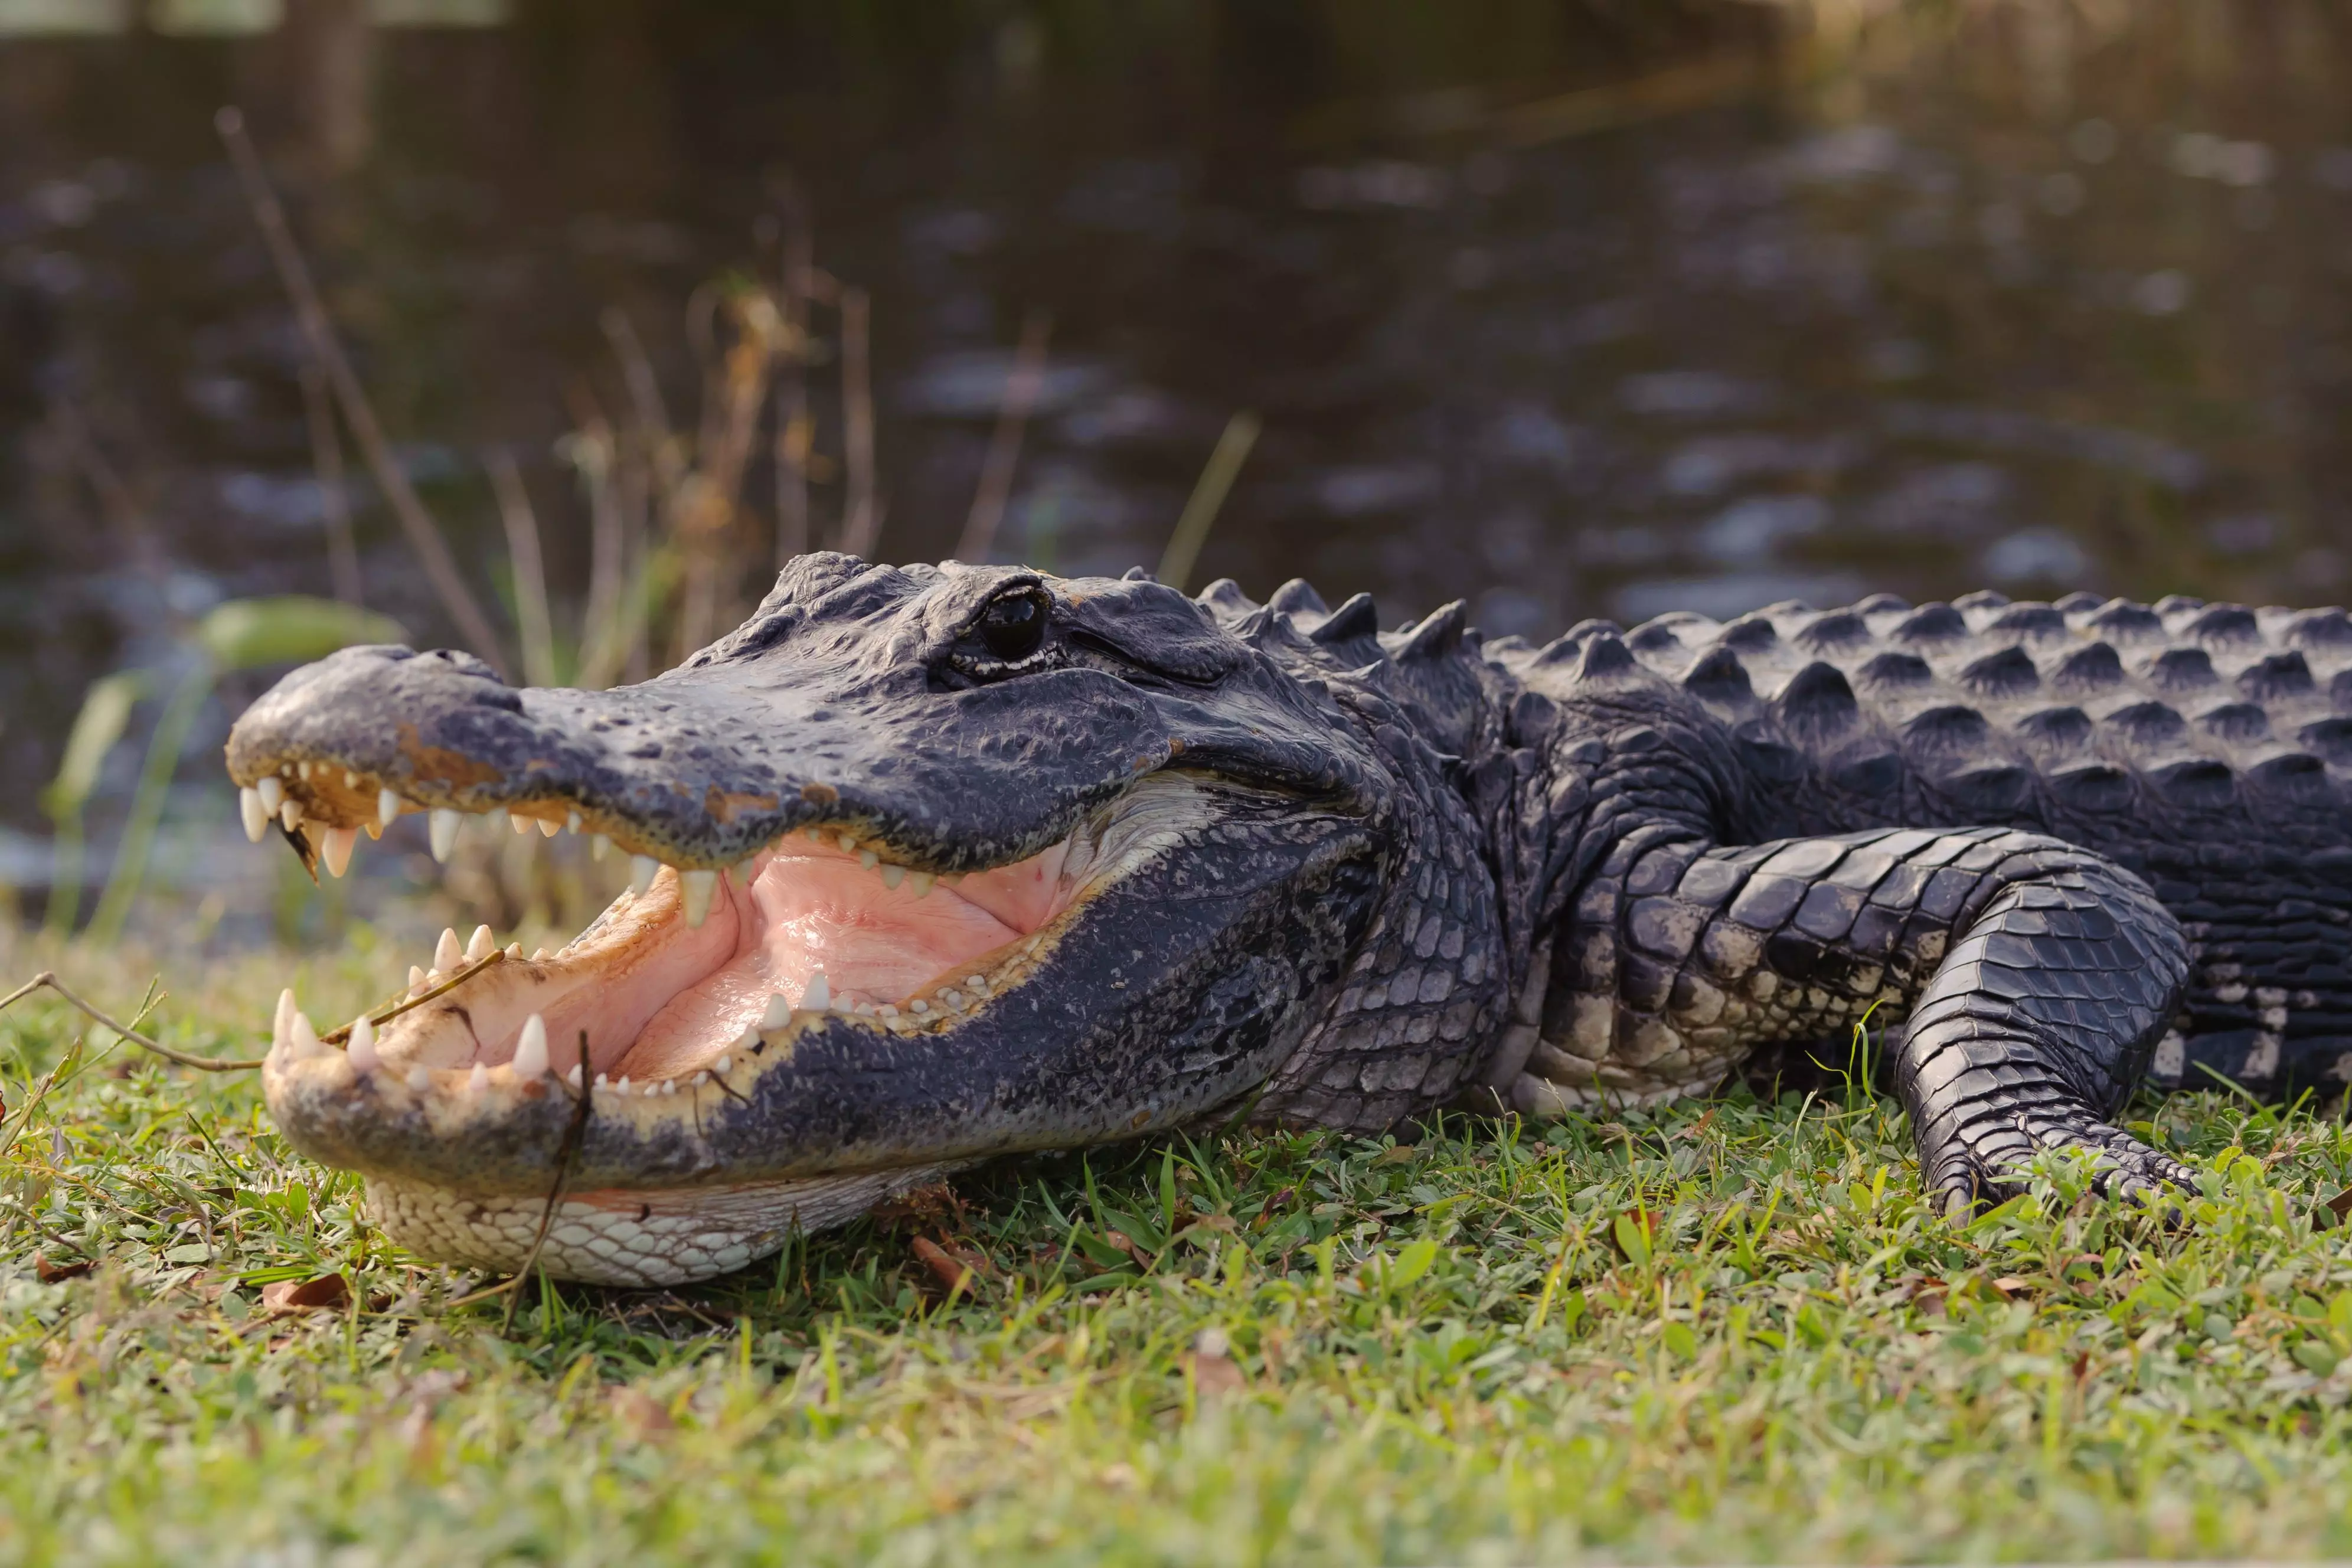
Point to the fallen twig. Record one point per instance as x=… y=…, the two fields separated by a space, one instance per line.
x=337 y=1035
x=573 y=1137
x=46 y=980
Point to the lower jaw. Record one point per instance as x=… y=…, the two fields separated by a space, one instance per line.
x=655 y=1236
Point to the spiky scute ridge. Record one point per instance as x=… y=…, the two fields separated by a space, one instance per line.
x=1430 y=983
x=2205 y=748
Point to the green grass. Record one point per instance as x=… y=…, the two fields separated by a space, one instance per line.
x=1724 y=1331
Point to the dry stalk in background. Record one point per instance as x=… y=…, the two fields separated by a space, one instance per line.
x=1021 y=389
x=334 y=500
x=327 y=351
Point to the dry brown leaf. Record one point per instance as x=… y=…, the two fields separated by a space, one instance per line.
x=639 y=1413
x=64 y=1269
x=950 y=1265
x=1213 y=1375
x=931 y=1203
x=320 y=1293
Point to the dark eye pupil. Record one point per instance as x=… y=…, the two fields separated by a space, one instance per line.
x=1014 y=628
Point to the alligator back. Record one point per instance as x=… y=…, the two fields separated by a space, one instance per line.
x=2206 y=747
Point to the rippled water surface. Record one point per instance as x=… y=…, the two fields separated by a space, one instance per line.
x=1558 y=314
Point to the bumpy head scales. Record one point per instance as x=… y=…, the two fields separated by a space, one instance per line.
x=932 y=863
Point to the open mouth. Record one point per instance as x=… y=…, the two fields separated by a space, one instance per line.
x=679 y=974
x=668 y=1012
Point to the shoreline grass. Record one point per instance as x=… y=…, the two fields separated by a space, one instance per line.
x=1723 y=1331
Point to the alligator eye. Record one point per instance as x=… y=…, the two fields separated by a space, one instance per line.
x=1014 y=628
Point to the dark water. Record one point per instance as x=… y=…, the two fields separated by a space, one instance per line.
x=1567 y=313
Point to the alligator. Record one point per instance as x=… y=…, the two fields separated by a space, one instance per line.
x=933 y=864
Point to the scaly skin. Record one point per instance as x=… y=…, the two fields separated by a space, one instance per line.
x=2049 y=844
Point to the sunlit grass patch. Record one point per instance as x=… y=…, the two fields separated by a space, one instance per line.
x=1728 y=1329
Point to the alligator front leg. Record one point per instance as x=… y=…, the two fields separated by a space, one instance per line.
x=2025 y=982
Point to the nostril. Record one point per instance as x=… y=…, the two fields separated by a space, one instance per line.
x=459 y=662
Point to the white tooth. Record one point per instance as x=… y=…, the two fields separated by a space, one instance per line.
x=272 y=794
x=521 y=825
x=251 y=812
x=281 y=1022
x=291 y=813
x=848 y=841
x=447 y=956
x=335 y=851
x=817 y=835
x=778 y=1012
x=697 y=887
x=443 y=830
x=867 y=858
x=975 y=982
x=303 y=770
x=351 y=779
x=302 y=1041
x=480 y=945
x=572 y=823
x=923 y=884
x=419 y=1080
x=573 y=1077
x=603 y=1082
x=1031 y=946
x=844 y=1004
x=622 y=1086
x=387 y=807
x=541 y=956
x=499 y=817
x=670 y=1086
x=360 y=1049
x=892 y=876
x=748 y=1039
x=819 y=994
x=530 y=1048
x=599 y=846
x=864 y=1009
x=478 y=1079
x=700 y=1078
x=418 y=981
x=514 y=949
x=643 y=869
x=722 y=1064
x=746 y=868
x=887 y=1010
x=549 y=827
x=918 y=1006
x=951 y=1001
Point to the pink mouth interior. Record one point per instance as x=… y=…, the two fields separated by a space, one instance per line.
x=668 y=1000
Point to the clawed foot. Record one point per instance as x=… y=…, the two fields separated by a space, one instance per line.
x=1990 y=1162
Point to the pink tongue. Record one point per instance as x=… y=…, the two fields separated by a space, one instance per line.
x=813 y=909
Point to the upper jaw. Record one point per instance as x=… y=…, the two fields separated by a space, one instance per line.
x=699 y=769
x=833 y=705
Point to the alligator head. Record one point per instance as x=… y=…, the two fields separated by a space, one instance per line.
x=934 y=864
